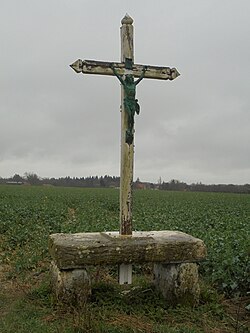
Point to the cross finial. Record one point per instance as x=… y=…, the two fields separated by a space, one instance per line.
x=127 y=20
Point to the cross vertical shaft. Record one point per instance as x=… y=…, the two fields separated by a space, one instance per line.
x=127 y=150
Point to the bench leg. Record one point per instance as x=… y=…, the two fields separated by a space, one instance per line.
x=70 y=286
x=178 y=283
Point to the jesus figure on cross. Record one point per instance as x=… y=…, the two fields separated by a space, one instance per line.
x=131 y=105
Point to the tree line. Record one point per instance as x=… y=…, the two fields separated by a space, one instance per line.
x=113 y=181
x=175 y=185
x=91 y=181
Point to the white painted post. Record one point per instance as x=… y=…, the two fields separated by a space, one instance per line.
x=127 y=152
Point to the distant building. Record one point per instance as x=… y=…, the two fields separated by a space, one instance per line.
x=143 y=185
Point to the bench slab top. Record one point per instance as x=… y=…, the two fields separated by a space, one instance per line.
x=108 y=248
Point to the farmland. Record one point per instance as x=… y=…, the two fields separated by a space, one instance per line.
x=29 y=214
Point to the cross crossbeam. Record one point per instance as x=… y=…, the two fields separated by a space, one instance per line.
x=104 y=68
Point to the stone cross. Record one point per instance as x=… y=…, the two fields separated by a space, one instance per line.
x=124 y=70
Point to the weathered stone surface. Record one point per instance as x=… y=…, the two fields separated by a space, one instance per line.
x=70 y=286
x=71 y=251
x=178 y=283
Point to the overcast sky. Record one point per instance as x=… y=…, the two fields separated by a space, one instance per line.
x=55 y=122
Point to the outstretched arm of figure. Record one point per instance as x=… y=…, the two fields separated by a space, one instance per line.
x=116 y=74
x=142 y=75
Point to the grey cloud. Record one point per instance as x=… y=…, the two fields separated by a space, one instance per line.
x=55 y=122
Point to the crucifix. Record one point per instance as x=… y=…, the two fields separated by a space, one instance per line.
x=126 y=71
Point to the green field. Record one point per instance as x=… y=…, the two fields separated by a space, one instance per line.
x=29 y=214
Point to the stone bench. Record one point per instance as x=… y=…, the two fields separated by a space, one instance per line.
x=173 y=253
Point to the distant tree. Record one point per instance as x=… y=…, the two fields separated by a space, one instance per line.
x=102 y=182
x=174 y=185
x=17 y=178
x=32 y=178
